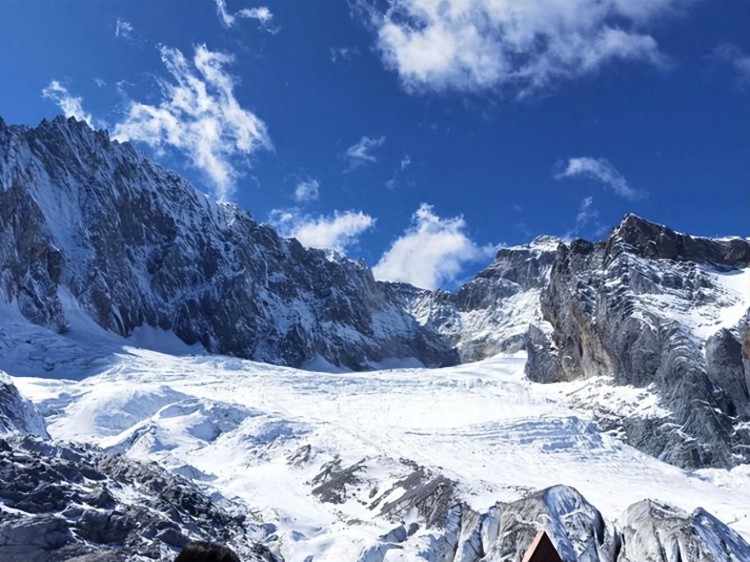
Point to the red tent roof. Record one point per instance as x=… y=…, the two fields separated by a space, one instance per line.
x=542 y=550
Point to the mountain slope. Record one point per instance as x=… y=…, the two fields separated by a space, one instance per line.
x=89 y=223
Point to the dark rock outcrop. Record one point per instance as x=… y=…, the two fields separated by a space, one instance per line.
x=74 y=502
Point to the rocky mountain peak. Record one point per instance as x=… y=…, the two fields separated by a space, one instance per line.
x=654 y=241
x=133 y=244
x=545 y=242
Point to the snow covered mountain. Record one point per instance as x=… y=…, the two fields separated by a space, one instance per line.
x=614 y=373
x=90 y=223
x=647 y=307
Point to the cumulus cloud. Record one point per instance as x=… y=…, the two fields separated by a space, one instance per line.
x=601 y=170
x=198 y=115
x=360 y=153
x=307 y=190
x=520 y=46
x=72 y=106
x=261 y=14
x=734 y=57
x=431 y=252
x=336 y=232
x=123 y=29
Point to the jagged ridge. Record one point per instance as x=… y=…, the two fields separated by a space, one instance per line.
x=90 y=223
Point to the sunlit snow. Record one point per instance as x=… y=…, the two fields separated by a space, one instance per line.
x=261 y=433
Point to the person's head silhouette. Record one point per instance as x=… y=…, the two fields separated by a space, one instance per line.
x=206 y=552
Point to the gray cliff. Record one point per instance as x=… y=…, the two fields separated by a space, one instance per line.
x=90 y=223
x=629 y=308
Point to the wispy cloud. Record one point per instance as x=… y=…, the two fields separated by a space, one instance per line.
x=405 y=163
x=198 y=115
x=261 y=14
x=361 y=153
x=224 y=16
x=431 y=252
x=72 y=106
x=307 y=190
x=586 y=213
x=344 y=53
x=601 y=170
x=336 y=232
x=123 y=29
x=519 y=46
x=730 y=54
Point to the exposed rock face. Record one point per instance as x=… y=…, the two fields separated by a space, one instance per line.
x=76 y=503
x=636 y=307
x=576 y=528
x=18 y=415
x=491 y=313
x=647 y=531
x=92 y=223
x=653 y=531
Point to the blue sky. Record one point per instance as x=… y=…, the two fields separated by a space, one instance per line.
x=416 y=135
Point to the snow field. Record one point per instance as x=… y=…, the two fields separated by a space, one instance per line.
x=261 y=434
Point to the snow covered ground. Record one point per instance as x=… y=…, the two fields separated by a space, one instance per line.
x=262 y=434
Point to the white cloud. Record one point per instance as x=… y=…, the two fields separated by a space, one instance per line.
x=431 y=252
x=518 y=46
x=732 y=55
x=336 y=232
x=72 y=106
x=307 y=190
x=224 y=16
x=586 y=213
x=99 y=82
x=405 y=163
x=123 y=29
x=262 y=14
x=361 y=153
x=599 y=169
x=343 y=53
x=199 y=115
